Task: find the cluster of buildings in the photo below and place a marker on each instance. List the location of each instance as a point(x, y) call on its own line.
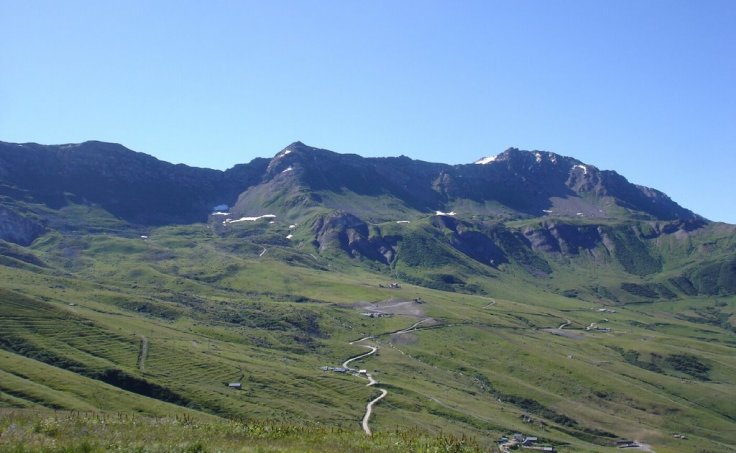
point(518, 440)
point(340, 369)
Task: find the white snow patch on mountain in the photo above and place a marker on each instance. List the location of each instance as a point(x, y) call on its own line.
point(444, 213)
point(485, 160)
point(582, 167)
point(249, 219)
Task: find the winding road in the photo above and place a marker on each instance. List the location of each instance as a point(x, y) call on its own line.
point(371, 381)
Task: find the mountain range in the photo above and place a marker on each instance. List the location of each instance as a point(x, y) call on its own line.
point(143, 190)
point(116, 266)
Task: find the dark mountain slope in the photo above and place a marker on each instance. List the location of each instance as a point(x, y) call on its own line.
point(303, 176)
point(522, 183)
point(536, 183)
point(132, 186)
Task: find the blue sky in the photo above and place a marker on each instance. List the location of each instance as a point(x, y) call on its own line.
point(646, 88)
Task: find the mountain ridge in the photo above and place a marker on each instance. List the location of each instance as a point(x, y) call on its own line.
point(533, 294)
point(419, 184)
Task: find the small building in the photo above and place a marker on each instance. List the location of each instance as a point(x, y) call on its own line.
point(529, 441)
point(340, 370)
point(235, 385)
point(362, 371)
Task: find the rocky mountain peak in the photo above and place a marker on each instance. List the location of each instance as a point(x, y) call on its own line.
point(515, 157)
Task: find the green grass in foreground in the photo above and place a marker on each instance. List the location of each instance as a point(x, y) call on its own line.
point(45, 431)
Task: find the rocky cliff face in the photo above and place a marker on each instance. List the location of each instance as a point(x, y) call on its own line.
point(341, 230)
point(18, 229)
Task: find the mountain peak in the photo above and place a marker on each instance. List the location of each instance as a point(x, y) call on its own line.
point(297, 145)
point(517, 155)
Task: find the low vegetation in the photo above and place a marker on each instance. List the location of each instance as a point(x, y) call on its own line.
point(42, 431)
point(577, 350)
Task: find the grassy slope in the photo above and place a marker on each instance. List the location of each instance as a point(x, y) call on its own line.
point(213, 311)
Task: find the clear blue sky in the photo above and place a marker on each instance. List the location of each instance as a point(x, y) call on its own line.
point(647, 88)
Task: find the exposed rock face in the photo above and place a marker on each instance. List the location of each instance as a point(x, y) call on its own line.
point(347, 232)
point(471, 242)
point(18, 229)
point(555, 237)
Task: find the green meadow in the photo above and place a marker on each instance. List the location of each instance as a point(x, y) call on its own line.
point(112, 341)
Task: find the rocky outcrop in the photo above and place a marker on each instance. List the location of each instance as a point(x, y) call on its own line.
point(344, 231)
point(18, 229)
point(556, 237)
point(471, 242)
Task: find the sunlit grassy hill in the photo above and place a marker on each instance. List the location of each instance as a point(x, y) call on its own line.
point(161, 325)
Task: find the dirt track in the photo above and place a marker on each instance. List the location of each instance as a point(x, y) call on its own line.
point(142, 354)
point(371, 380)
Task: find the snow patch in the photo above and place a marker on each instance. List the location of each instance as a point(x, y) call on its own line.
point(288, 169)
point(289, 236)
point(538, 156)
point(286, 152)
point(144, 237)
point(444, 213)
point(579, 213)
point(582, 167)
point(220, 213)
point(291, 227)
point(486, 160)
point(249, 219)
point(403, 221)
point(548, 211)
